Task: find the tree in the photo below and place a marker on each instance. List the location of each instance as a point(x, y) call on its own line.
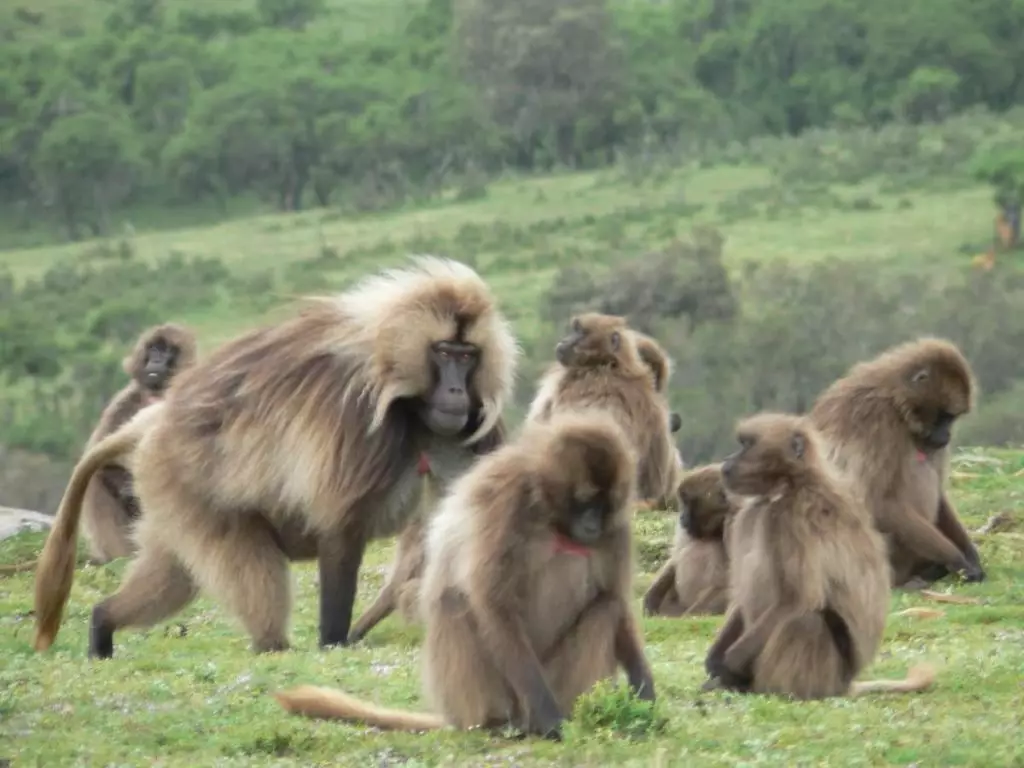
point(86, 163)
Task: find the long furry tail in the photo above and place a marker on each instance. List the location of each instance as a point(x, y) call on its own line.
point(331, 704)
point(919, 678)
point(56, 565)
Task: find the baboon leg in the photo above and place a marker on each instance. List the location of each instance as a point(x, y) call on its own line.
point(244, 568)
point(629, 653)
point(714, 662)
point(409, 600)
point(802, 660)
point(156, 587)
point(105, 524)
point(710, 600)
point(951, 526)
point(657, 599)
point(381, 608)
point(741, 654)
point(916, 534)
point(585, 653)
point(459, 678)
point(339, 557)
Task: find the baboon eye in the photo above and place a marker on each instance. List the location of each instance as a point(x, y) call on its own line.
point(615, 339)
point(746, 441)
point(921, 375)
point(799, 444)
point(443, 354)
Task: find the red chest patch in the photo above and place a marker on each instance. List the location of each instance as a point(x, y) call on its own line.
point(921, 457)
point(568, 546)
point(423, 465)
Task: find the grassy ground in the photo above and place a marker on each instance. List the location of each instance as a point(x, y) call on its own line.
point(189, 692)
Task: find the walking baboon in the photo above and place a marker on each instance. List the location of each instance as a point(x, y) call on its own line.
point(888, 424)
point(526, 591)
point(599, 367)
point(695, 579)
point(809, 581)
point(302, 435)
point(110, 508)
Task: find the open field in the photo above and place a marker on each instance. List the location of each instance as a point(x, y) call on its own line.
point(190, 693)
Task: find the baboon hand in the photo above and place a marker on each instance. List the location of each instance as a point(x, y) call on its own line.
point(643, 687)
point(974, 573)
point(548, 725)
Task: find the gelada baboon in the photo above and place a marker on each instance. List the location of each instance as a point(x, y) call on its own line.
point(695, 580)
point(527, 585)
point(298, 439)
point(110, 508)
point(888, 424)
point(809, 581)
point(599, 367)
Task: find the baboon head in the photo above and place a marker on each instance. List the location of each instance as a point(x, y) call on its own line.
point(159, 354)
point(776, 450)
point(932, 386)
point(585, 476)
point(704, 505)
point(597, 340)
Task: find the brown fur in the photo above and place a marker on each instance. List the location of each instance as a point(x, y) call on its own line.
point(879, 421)
point(599, 367)
point(695, 579)
point(110, 508)
point(297, 440)
point(402, 584)
point(517, 628)
point(809, 581)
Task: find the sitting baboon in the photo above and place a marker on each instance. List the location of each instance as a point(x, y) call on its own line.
point(526, 591)
point(695, 580)
point(599, 367)
point(808, 577)
point(888, 424)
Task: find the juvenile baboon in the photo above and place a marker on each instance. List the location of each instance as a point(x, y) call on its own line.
point(809, 581)
point(599, 367)
point(110, 508)
point(296, 440)
point(695, 579)
point(526, 590)
point(888, 424)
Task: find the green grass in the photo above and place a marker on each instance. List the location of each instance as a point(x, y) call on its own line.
point(199, 697)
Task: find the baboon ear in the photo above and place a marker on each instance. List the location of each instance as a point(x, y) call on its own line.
point(616, 340)
point(919, 376)
point(799, 443)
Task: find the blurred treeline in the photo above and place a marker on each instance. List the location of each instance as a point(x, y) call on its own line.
point(167, 103)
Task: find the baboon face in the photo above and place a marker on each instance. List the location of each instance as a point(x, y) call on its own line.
point(774, 448)
point(445, 409)
point(703, 503)
point(938, 392)
point(593, 340)
point(589, 487)
point(159, 363)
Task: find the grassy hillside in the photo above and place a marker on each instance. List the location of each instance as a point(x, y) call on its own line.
point(524, 230)
point(189, 692)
